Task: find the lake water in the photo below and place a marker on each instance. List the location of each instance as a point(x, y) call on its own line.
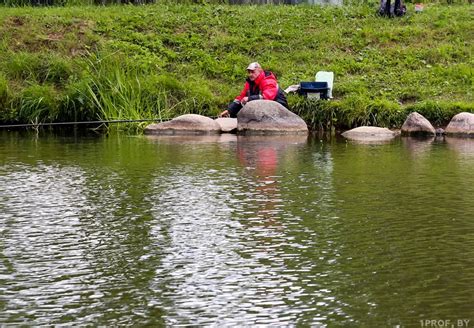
point(219, 231)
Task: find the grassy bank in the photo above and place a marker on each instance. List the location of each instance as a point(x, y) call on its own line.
point(126, 62)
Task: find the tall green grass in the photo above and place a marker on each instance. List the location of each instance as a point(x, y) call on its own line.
point(353, 112)
point(6, 113)
point(119, 92)
point(349, 113)
point(39, 67)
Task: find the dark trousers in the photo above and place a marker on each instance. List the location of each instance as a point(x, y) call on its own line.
point(233, 108)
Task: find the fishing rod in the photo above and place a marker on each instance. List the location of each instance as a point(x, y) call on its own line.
point(37, 125)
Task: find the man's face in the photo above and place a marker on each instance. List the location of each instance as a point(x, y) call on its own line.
point(253, 74)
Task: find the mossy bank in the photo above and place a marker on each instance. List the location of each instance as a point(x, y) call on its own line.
point(136, 62)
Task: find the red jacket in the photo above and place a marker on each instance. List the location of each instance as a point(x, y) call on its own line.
point(264, 85)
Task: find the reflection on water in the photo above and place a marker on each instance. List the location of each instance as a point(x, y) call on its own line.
point(418, 147)
point(464, 147)
point(234, 231)
point(192, 139)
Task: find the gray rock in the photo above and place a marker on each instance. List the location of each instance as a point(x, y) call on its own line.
point(370, 134)
point(227, 124)
point(417, 125)
point(269, 117)
point(185, 124)
point(461, 125)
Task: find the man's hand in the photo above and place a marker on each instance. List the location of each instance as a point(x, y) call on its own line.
point(244, 100)
point(224, 113)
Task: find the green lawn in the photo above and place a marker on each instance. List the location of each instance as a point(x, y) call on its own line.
point(126, 62)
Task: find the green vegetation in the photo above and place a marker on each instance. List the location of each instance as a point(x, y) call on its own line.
point(163, 60)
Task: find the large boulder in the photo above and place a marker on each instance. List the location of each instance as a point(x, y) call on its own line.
point(227, 124)
point(269, 117)
point(185, 124)
point(461, 125)
point(417, 125)
point(370, 134)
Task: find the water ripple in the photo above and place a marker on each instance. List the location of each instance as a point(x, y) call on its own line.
point(235, 232)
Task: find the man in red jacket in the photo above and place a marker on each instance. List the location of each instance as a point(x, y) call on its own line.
point(260, 84)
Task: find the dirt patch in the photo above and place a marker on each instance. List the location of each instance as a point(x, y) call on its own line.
point(15, 21)
point(55, 36)
point(68, 39)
